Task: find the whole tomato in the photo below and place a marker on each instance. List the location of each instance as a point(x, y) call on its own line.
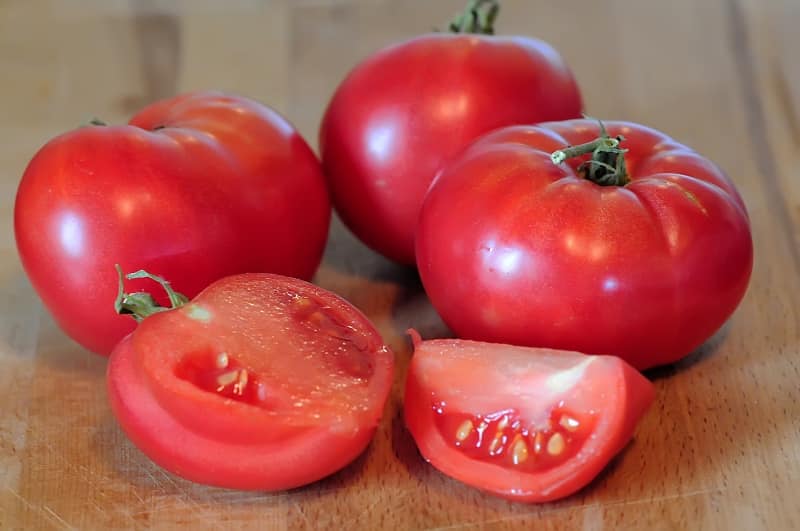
point(195, 188)
point(637, 246)
point(403, 112)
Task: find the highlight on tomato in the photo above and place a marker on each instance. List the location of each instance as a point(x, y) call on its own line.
point(261, 382)
point(527, 424)
point(568, 235)
point(403, 112)
point(194, 188)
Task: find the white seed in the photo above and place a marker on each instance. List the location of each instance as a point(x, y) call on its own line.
point(222, 360)
point(226, 378)
point(556, 444)
point(241, 384)
point(503, 424)
point(261, 392)
point(537, 443)
point(464, 430)
point(519, 451)
point(495, 445)
point(569, 423)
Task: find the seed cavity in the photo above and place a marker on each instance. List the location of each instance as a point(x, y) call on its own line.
point(569, 423)
point(556, 444)
point(464, 430)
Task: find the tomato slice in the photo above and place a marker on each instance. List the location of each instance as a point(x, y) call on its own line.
point(528, 424)
point(261, 382)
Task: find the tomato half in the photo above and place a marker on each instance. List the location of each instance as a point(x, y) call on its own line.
point(403, 112)
point(261, 382)
point(197, 187)
point(513, 248)
point(527, 424)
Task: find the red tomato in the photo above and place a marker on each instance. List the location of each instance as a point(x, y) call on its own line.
point(195, 188)
point(512, 248)
point(261, 382)
point(403, 112)
point(527, 424)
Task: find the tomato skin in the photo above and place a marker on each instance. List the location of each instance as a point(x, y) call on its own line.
point(512, 248)
point(197, 187)
point(403, 112)
point(212, 439)
point(472, 376)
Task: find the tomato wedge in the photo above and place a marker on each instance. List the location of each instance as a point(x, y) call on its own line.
point(528, 424)
point(261, 382)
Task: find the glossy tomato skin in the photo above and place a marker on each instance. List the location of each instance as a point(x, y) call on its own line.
point(318, 376)
point(403, 112)
point(516, 399)
point(512, 248)
point(196, 187)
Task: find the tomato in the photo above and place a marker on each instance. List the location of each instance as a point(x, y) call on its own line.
point(513, 248)
point(528, 424)
point(196, 187)
point(260, 382)
point(403, 112)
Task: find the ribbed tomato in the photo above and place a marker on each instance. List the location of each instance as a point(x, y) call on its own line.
point(641, 250)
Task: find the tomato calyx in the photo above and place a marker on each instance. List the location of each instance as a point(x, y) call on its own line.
point(606, 167)
point(141, 304)
point(478, 18)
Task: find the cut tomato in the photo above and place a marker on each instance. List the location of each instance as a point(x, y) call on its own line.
point(261, 382)
point(527, 424)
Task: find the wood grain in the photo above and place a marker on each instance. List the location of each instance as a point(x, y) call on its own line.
point(720, 448)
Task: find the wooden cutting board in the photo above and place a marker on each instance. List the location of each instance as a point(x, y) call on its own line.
point(720, 448)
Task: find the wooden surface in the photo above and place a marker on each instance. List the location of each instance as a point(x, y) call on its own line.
point(719, 450)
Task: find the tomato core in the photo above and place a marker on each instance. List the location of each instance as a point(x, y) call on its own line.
point(505, 439)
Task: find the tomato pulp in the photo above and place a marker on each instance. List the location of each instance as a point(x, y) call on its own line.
point(196, 187)
point(260, 382)
point(513, 248)
point(524, 423)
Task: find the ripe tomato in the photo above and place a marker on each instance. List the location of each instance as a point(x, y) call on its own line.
point(512, 248)
point(261, 382)
point(403, 112)
point(196, 187)
point(525, 423)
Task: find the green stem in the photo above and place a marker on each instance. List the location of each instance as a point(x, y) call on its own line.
point(607, 165)
point(478, 17)
point(141, 304)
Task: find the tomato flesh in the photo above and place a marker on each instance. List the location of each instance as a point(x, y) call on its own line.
point(528, 424)
point(257, 365)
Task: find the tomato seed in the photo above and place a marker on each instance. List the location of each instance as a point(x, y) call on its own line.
point(519, 451)
point(464, 431)
point(569, 423)
point(556, 444)
point(222, 360)
point(227, 378)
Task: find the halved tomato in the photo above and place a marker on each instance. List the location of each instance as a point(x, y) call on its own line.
point(261, 382)
point(528, 424)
